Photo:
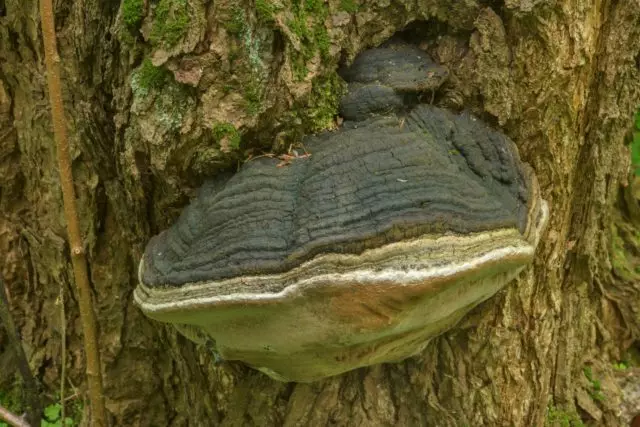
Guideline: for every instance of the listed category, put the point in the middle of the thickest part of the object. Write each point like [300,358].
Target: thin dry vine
[78,258]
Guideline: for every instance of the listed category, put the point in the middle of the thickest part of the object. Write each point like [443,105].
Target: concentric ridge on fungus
[392,229]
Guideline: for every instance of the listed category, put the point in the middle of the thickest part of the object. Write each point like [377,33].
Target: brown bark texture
[161,94]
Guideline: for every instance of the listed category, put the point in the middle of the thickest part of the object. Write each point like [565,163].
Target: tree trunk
[160,94]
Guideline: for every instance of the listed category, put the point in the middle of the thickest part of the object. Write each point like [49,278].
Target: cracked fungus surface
[366,185]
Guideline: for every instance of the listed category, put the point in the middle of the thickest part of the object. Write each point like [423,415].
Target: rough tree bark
[561,78]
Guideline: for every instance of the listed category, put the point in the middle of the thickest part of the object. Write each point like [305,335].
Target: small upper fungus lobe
[392,229]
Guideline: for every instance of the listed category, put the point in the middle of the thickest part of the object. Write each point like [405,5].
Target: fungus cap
[388,80]
[400,66]
[384,237]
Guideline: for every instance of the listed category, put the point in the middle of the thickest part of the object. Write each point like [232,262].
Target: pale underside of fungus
[386,235]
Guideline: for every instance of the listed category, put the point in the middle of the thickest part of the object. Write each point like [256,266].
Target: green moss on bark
[624,263]
[596,387]
[228,132]
[635,146]
[265,10]
[170,22]
[349,6]
[253,97]
[236,24]
[132,13]
[308,25]
[155,91]
[323,102]
[245,55]
[316,112]
[148,76]
[559,418]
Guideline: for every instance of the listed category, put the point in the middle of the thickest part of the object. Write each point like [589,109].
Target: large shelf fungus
[385,236]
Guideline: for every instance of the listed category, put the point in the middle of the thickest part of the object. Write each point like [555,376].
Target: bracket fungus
[394,227]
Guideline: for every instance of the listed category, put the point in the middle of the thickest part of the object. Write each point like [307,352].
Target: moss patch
[155,89]
[624,263]
[12,397]
[170,22]
[308,25]
[635,146]
[132,13]
[226,133]
[171,106]
[253,97]
[248,67]
[148,76]
[324,102]
[349,6]
[314,113]
[559,418]
[265,10]
[236,24]
[319,111]
[596,388]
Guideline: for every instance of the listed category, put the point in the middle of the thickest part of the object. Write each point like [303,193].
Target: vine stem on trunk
[78,258]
